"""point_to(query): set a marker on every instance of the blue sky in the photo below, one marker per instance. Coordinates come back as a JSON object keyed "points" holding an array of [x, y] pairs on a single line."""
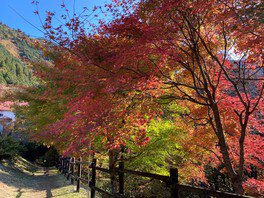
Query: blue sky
{"points": [[26, 9]]}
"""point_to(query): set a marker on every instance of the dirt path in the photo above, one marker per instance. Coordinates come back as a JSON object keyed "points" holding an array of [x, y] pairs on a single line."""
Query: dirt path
{"points": [[22, 179]]}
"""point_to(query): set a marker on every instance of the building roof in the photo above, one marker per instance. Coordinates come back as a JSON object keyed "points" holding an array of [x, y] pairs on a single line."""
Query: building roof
{"points": [[6, 106]]}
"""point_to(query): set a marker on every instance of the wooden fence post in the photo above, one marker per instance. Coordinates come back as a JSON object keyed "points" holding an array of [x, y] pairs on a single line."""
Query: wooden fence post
{"points": [[174, 183], [79, 174], [68, 168], [92, 184], [72, 169], [65, 166], [121, 177], [62, 165], [58, 164]]}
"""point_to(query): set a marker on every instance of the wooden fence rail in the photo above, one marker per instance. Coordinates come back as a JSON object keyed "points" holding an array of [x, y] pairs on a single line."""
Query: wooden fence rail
{"points": [[67, 167]]}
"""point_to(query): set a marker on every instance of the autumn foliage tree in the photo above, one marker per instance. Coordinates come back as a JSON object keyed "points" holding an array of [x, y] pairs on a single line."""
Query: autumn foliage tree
{"points": [[191, 46], [205, 55]]}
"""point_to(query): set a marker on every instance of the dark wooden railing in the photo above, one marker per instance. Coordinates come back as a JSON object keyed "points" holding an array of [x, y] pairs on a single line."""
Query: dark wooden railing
{"points": [[67, 166]]}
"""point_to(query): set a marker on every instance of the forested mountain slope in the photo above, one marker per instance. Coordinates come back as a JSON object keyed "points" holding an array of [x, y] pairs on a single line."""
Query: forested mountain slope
{"points": [[16, 52]]}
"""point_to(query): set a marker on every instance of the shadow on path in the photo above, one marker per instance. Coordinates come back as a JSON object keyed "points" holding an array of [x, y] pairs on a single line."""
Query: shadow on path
{"points": [[31, 183]]}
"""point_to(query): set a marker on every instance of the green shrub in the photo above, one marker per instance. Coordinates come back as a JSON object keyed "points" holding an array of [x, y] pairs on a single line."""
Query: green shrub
{"points": [[9, 147]]}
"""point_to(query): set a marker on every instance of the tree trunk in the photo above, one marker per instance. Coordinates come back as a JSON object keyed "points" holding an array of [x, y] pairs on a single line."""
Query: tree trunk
{"points": [[235, 177], [237, 185]]}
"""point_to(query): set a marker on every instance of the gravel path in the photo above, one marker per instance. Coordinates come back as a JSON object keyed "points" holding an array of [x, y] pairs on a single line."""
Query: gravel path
{"points": [[30, 181]]}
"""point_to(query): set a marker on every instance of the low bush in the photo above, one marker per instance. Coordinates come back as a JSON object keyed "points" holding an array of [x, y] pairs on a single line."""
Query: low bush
{"points": [[9, 147]]}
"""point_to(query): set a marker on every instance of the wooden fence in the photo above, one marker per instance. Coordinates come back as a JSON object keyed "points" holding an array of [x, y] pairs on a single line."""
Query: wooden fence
{"points": [[72, 169]]}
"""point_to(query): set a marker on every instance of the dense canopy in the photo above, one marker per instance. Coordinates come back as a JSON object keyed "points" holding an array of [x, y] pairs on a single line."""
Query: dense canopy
{"points": [[198, 64]]}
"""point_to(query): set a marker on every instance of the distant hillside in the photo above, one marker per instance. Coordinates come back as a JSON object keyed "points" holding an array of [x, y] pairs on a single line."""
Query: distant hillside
{"points": [[16, 52]]}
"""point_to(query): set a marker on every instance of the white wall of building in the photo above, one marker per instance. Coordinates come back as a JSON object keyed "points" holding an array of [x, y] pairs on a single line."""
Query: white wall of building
{"points": [[7, 114]]}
